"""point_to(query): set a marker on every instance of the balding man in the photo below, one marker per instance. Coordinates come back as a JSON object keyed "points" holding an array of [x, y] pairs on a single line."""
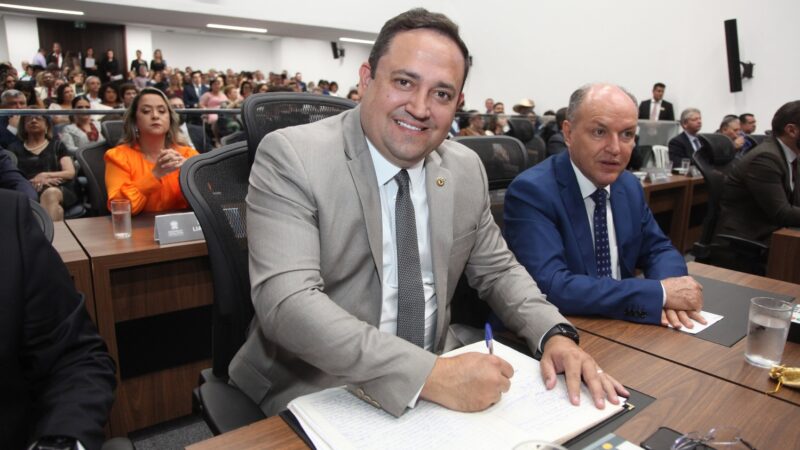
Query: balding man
{"points": [[580, 224]]}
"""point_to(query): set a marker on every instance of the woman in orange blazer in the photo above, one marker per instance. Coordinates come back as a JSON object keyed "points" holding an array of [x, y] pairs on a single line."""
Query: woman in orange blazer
{"points": [[144, 167]]}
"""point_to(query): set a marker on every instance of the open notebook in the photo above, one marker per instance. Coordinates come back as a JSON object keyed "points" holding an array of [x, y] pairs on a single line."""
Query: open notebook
{"points": [[334, 418]]}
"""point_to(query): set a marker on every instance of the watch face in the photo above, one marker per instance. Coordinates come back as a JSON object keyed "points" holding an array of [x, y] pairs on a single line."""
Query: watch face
{"points": [[55, 443]]}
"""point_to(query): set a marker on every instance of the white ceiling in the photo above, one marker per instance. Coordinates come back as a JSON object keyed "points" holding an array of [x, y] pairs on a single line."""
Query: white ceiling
{"points": [[183, 21]]}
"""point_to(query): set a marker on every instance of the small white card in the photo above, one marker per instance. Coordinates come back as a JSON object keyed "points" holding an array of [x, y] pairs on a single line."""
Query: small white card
{"points": [[710, 317]]}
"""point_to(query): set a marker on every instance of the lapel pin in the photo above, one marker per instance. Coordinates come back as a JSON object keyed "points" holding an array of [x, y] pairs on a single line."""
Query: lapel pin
{"points": [[440, 181]]}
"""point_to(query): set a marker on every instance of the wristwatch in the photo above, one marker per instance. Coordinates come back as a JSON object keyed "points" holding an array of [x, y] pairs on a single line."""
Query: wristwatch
{"points": [[562, 329], [55, 443]]}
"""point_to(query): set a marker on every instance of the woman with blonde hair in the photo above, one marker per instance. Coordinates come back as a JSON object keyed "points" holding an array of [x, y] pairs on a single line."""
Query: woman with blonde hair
{"points": [[144, 168]]}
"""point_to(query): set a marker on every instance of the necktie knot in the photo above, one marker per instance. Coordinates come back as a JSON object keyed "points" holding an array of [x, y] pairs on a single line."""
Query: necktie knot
{"points": [[599, 197], [402, 179]]}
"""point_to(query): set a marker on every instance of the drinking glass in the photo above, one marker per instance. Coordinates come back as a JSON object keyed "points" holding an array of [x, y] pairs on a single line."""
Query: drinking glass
{"points": [[767, 328], [121, 218], [685, 163]]}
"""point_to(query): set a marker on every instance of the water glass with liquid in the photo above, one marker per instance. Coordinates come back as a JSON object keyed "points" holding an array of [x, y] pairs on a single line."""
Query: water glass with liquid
{"points": [[121, 218], [767, 328]]}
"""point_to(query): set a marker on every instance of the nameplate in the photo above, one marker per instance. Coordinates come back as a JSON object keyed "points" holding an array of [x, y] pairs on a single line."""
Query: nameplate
{"points": [[178, 227]]}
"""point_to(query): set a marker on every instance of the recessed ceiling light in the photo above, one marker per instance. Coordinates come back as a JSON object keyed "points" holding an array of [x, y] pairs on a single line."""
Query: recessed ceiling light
{"points": [[235, 28], [38, 9], [356, 41]]}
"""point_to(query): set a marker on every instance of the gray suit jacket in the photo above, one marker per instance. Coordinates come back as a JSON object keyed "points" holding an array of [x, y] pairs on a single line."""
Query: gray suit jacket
{"points": [[315, 241]]}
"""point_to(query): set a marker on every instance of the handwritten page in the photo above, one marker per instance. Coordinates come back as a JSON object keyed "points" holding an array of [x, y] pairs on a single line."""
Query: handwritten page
{"points": [[710, 317], [334, 418]]}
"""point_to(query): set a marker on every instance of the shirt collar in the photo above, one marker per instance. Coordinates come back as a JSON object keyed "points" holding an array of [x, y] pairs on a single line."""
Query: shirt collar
{"points": [[790, 155], [655, 101], [385, 171], [586, 186]]}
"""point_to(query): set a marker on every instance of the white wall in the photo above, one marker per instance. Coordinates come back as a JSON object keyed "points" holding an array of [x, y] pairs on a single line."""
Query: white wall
{"points": [[315, 60], [4, 42], [138, 38], [22, 38], [205, 52]]}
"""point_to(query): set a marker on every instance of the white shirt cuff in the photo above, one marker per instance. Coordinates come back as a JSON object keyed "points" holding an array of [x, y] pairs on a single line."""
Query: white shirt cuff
{"points": [[663, 295], [414, 400]]}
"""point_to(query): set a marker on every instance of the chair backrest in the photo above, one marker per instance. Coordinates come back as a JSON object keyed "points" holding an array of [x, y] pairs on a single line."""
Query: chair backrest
{"points": [[11, 155], [215, 185], [236, 136], [537, 150], [758, 138], [522, 129], [265, 113], [94, 167], [504, 157], [714, 159], [43, 219], [112, 131]]}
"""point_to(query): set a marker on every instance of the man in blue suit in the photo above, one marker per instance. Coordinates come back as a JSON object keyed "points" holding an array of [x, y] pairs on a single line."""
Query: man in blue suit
{"points": [[580, 225]]}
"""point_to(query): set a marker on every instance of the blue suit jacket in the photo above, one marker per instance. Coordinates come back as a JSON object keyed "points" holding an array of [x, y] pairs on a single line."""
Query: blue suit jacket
{"points": [[547, 227]]}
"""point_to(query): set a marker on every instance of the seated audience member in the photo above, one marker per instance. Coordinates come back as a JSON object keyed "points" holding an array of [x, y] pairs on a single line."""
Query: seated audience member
{"points": [[353, 95], [45, 86], [497, 125], [580, 224], [175, 85], [489, 104], [9, 81], [556, 144], [159, 81], [761, 194], [144, 167], [213, 99], [93, 91], [142, 78], [83, 130], [475, 125], [245, 90], [58, 377], [64, 96], [9, 125], [195, 135], [685, 144], [730, 127], [499, 108], [748, 123], [45, 161], [31, 99], [327, 312], [109, 96], [11, 178], [127, 93], [76, 79]]}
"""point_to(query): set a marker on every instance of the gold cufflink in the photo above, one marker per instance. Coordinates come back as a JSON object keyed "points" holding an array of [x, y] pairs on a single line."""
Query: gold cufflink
{"points": [[440, 181]]}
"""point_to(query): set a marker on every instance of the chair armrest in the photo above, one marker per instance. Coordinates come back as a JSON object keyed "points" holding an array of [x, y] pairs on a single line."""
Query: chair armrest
{"points": [[745, 245], [225, 408]]}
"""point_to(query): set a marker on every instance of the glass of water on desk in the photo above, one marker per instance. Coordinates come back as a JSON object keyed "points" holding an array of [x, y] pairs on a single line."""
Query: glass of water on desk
{"points": [[768, 326], [121, 218]]}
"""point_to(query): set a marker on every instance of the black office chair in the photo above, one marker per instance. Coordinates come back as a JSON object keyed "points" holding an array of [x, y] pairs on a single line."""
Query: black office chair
{"points": [[112, 131], [43, 219], [265, 113], [94, 167], [758, 138], [236, 136], [535, 147], [11, 155], [215, 185], [504, 157], [715, 159]]}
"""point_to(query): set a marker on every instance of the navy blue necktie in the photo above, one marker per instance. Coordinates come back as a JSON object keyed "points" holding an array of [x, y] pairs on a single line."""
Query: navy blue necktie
{"points": [[601, 249]]}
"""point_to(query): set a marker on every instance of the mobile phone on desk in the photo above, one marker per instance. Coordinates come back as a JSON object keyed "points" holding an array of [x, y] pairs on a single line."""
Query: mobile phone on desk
{"points": [[663, 439]]}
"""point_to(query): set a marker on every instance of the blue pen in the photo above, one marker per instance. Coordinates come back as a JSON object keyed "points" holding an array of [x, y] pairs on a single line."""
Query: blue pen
{"points": [[489, 339]]}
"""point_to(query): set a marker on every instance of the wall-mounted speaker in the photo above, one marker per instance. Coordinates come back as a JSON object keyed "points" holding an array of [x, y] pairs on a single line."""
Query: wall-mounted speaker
{"points": [[337, 51], [732, 45]]}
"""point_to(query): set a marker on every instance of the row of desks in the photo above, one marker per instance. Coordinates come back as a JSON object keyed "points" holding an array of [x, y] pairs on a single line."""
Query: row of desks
{"points": [[697, 384]]}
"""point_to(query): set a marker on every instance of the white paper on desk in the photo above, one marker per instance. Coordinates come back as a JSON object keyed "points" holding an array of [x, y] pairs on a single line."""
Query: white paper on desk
{"points": [[335, 418], [710, 317]]}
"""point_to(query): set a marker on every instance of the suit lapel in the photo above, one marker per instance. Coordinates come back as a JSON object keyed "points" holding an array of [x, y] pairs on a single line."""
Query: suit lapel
{"points": [[362, 171], [622, 225], [576, 210], [440, 213]]}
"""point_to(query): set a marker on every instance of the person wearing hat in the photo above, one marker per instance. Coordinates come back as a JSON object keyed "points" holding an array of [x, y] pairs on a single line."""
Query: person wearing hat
{"points": [[525, 108]]}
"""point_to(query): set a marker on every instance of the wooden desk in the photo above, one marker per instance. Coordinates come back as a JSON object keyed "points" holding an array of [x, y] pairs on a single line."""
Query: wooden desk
{"points": [[139, 285], [77, 264], [672, 196], [686, 400], [784, 251], [696, 213], [726, 363]]}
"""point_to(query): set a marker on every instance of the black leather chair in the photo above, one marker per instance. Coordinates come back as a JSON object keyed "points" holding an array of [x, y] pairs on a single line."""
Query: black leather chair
{"points": [[215, 185], [11, 155], [94, 167], [236, 136], [758, 138], [535, 147], [504, 157], [43, 219], [265, 113], [112, 131], [715, 159]]}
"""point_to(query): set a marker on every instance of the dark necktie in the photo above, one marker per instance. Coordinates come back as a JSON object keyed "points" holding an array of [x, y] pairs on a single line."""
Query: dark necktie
{"points": [[601, 251], [410, 295]]}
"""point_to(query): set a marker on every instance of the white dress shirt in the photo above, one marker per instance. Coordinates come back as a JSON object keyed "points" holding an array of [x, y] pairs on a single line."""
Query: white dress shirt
{"points": [[385, 173], [655, 109]]}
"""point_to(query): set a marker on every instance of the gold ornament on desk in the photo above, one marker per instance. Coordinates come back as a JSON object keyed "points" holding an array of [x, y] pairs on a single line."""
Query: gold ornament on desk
{"points": [[786, 376]]}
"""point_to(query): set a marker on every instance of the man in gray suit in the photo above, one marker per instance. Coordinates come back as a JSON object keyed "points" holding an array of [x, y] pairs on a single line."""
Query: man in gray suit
{"points": [[330, 279]]}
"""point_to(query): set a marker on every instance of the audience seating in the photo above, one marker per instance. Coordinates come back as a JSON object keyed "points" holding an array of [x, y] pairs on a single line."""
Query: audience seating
{"points": [[43, 219], [504, 157], [215, 185], [267, 112], [715, 159], [94, 167], [112, 131]]}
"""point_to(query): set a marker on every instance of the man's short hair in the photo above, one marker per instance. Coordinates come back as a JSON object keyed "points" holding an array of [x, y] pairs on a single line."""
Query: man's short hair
{"points": [[126, 87], [561, 114], [659, 85], [727, 121], [10, 94], [786, 114], [415, 19], [577, 98], [197, 72], [743, 117], [688, 112]]}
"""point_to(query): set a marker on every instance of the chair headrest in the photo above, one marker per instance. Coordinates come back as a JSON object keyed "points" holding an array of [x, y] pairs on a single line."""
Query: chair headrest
{"points": [[521, 128], [720, 148]]}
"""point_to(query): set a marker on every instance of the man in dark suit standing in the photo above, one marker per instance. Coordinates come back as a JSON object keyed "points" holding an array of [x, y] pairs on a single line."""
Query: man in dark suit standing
{"points": [[57, 56], [761, 192], [58, 379], [580, 224], [685, 144], [657, 108]]}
